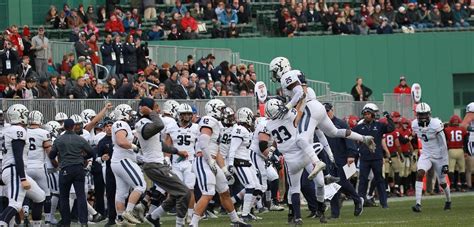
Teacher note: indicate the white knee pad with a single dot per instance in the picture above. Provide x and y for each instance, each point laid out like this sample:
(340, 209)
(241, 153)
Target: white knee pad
(272, 174)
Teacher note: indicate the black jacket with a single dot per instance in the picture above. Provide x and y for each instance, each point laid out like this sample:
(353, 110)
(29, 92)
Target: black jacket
(126, 92)
(70, 147)
(342, 148)
(24, 72)
(179, 92)
(82, 49)
(12, 56)
(106, 50)
(367, 92)
(79, 92)
(130, 58)
(142, 53)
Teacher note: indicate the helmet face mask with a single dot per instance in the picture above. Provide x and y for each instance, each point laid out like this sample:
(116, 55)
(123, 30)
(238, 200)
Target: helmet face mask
(228, 116)
(278, 67)
(123, 113)
(18, 114)
(423, 119)
(214, 108)
(246, 117)
(35, 118)
(272, 107)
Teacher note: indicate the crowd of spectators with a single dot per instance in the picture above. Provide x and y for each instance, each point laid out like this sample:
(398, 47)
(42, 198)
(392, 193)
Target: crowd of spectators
(379, 16)
(177, 24)
(132, 73)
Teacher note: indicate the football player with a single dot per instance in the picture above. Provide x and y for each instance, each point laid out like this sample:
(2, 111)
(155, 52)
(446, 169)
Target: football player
(284, 133)
(128, 174)
(148, 134)
(169, 112)
(17, 182)
(455, 136)
(391, 146)
(60, 118)
(468, 123)
(407, 150)
(53, 127)
(210, 177)
(434, 152)
(314, 112)
(239, 159)
(39, 145)
(228, 122)
(184, 139)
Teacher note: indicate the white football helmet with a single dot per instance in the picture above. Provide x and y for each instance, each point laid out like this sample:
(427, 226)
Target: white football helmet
(76, 118)
(272, 107)
(214, 108)
(52, 127)
(470, 108)
(371, 107)
(60, 117)
(183, 109)
(35, 118)
(88, 114)
(18, 114)
(245, 115)
(122, 112)
(228, 116)
(170, 107)
(278, 67)
(423, 114)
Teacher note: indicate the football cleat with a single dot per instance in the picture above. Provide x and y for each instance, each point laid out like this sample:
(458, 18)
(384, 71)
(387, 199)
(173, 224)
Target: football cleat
(359, 208)
(298, 221)
(240, 223)
(416, 208)
(152, 222)
(318, 166)
(329, 179)
(447, 206)
(275, 207)
(130, 217)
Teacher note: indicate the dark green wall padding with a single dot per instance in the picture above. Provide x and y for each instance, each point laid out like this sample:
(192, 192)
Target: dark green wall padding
(430, 59)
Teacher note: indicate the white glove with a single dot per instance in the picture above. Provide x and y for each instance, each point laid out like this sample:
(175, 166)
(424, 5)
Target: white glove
(212, 165)
(134, 148)
(167, 161)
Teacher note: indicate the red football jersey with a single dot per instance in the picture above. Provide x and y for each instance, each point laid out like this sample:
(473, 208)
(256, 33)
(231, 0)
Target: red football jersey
(455, 136)
(406, 134)
(390, 140)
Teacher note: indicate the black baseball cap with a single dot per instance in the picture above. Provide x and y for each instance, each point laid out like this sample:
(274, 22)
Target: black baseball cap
(148, 102)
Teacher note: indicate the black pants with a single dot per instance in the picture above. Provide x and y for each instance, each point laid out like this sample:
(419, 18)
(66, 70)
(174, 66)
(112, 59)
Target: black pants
(376, 167)
(99, 187)
(179, 194)
(68, 176)
(346, 187)
(110, 188)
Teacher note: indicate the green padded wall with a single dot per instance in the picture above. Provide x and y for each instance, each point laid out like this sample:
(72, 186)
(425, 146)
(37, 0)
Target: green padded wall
(430, 59)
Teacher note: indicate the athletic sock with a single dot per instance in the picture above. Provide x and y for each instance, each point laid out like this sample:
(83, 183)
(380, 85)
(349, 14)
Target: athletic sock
(179, 222)
(130, 207)
(190, 212)
(447, 193)
(320, 194)
(195, 220)
(158, 212)
(419, 191)
(233, 216)
(296, 202)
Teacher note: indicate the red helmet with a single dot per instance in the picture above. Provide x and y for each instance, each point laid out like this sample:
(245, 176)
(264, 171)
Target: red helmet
(352, 120)
(404, 120)
(395, 114)
(383, 120)
(455, 120)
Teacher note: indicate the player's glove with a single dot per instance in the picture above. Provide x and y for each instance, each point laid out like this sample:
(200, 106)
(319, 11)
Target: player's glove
(135, 148)
(445, 169)
(386, 114)
(231, 169)
(212, 165)
(167, 161)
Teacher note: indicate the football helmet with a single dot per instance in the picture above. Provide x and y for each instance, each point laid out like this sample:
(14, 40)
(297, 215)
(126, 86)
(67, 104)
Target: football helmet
(122, 112)
(18, 114)
(35, 118)
(77, 119)
(278, 67)
(52, 127)
(185, 112)
(214, 108)
(372, 108)
(423, 114)
(228, 116)
(60, 117)
(245, 116)
(170, 107)
(455, 120)
(87, 115)
(470, 108)
(272, 108)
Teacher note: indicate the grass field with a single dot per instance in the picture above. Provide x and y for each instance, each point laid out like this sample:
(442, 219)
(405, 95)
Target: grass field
(398, 214)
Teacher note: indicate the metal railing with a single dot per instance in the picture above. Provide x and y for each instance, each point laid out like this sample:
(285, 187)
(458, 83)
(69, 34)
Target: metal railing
(337, 96)
(159, 53)
(49, 107)
(402, 103)
(320, 88)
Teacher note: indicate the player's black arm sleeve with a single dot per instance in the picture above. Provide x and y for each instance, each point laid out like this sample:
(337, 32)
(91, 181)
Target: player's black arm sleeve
(465, 144)
(169, 149)
(17, 146)
(151, 129)
(390, 125)
(54, 152)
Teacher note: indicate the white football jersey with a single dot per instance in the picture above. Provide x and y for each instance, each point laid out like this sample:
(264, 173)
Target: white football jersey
(428, 135)
(470, 109)
(184, 139)
(37, 155)
(259, 128)
(288, 79)
(97, 137)
(14, 132)
(244, 137)
(225, 137)
(151, 148)
(310, 94)
(119, 152)
(283, 132)
(170, 125)
(215, 126)
(2, 142)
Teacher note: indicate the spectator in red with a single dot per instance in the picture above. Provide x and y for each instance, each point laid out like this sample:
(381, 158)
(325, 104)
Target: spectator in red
(189, 21)
(114, 25)
(92, 43)
(403, 87)
(67, 63)
(16, 40)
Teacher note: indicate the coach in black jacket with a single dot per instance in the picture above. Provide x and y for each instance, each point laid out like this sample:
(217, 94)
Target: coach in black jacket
(344, 151)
